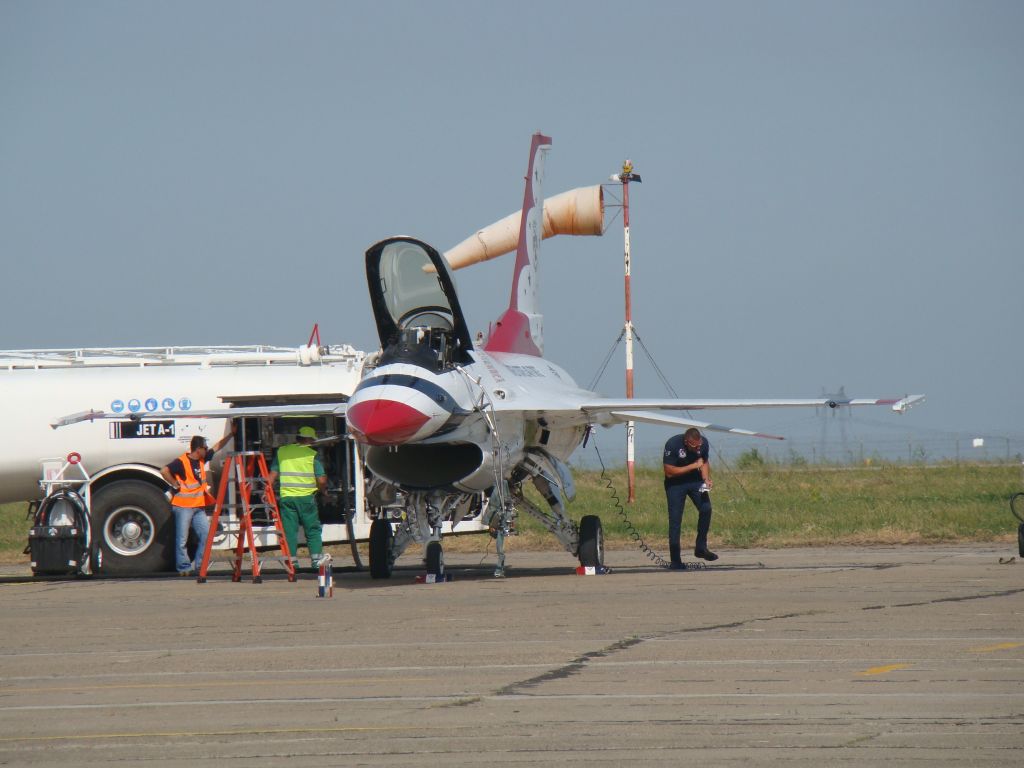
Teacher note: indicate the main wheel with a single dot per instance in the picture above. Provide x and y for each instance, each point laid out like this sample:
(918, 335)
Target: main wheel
(435, 558)
(380, 549)
(591, 541)
(133, 527)
(1017, 506)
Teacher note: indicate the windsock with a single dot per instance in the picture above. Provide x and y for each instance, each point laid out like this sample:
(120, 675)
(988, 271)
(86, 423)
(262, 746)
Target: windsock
(576, 212)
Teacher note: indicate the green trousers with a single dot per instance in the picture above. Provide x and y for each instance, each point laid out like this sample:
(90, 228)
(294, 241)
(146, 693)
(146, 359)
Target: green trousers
(301, 510)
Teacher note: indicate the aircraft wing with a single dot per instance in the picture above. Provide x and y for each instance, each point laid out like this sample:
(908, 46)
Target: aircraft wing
(663, 419)
(312, 409)
(606, 417)
(899, 405)
(607, 412)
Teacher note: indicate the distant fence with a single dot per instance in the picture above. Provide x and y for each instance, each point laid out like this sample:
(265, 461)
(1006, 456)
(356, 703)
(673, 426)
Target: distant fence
(852, 451)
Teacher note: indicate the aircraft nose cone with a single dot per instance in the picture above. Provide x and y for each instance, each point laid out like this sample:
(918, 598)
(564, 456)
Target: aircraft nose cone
(385, 422)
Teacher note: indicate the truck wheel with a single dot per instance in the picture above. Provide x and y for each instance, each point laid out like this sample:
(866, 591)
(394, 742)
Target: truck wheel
(380, 549)
(591, 541)
(133, 526)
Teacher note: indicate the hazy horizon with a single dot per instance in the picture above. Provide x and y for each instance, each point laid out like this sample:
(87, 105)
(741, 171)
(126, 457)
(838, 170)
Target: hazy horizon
(831, 191)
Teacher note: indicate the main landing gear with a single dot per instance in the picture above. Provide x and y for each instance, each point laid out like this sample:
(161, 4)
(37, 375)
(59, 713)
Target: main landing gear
(591, 551)
(383, 554)
(586, 541)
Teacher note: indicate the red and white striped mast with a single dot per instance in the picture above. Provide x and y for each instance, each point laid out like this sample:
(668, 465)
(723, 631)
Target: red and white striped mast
(624, 178)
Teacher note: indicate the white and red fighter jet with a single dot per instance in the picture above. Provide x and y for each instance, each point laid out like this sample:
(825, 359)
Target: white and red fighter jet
(452, 429)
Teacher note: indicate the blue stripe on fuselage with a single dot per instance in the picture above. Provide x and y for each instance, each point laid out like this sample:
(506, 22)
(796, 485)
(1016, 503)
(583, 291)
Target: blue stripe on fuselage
(435, 392)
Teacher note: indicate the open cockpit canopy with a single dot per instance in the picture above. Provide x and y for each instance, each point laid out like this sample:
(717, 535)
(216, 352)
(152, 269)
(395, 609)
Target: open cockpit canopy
(415, 304)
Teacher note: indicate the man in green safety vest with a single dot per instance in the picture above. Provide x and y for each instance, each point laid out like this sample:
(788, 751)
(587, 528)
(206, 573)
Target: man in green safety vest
(302, 475)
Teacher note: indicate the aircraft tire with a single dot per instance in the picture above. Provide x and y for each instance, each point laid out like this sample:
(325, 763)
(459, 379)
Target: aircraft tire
(1017, 506)
(380, 549)
(435, 558)
(591, 542)
(133, 528)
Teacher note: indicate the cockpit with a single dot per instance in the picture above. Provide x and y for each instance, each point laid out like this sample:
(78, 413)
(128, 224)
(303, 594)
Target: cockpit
(415, 305)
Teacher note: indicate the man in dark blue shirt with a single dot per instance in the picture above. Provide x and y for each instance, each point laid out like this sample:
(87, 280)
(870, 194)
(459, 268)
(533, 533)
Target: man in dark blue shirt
(688, 473)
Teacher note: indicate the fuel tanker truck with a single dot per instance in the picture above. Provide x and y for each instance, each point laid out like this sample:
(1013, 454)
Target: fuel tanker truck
(131, 523)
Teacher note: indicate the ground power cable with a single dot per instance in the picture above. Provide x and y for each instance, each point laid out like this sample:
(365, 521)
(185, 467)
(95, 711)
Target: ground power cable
(492, 426)
(631, 529)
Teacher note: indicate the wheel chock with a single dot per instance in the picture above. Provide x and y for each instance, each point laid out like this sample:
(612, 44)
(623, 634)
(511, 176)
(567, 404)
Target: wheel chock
(592, 570)
(433, 578)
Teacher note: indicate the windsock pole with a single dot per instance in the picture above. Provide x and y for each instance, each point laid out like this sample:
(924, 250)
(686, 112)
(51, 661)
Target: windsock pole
(625, 177)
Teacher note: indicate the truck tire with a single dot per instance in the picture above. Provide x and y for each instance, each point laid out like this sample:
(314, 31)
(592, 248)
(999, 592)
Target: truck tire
(133, 526)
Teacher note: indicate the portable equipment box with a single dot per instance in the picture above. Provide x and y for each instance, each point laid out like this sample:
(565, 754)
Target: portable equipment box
(59, 538)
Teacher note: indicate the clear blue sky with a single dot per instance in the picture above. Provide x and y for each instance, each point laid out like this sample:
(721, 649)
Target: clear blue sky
(833, 192)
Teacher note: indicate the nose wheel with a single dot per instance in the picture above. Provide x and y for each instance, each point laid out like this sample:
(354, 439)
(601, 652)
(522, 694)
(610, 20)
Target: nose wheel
(435, 560)
(381, 562)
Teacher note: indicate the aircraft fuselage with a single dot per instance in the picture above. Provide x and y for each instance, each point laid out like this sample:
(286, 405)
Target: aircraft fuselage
(463, 427)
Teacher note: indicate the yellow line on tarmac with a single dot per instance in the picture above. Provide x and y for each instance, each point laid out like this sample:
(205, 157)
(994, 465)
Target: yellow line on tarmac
(999, 647)
(883, 670)
(266, 682)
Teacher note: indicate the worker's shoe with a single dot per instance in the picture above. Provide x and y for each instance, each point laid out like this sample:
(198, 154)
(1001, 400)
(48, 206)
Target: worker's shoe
(677, 566)
(705, 554)
(186, 573)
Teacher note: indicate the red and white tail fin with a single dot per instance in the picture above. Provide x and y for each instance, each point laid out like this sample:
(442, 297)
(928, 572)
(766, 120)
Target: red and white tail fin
(521, 327)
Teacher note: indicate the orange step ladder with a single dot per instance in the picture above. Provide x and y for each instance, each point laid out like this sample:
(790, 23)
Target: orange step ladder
(251, 474)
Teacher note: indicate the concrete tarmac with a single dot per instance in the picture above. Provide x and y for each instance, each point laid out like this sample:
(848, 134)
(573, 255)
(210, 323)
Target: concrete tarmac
(860, 656)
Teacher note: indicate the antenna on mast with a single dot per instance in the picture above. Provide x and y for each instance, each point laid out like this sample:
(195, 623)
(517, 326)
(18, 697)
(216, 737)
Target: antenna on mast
(624, 178)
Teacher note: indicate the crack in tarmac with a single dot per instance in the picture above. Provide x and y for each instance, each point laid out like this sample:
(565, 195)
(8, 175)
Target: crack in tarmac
(578, 664)
(961, 599)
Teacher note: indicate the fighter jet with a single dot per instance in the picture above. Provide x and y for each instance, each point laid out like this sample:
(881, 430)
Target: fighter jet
(452, 428)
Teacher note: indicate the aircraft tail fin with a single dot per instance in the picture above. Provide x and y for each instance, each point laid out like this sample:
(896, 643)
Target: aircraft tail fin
(521, 328)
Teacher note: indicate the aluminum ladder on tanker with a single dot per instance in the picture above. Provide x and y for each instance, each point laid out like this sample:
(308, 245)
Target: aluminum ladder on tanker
(251, 474)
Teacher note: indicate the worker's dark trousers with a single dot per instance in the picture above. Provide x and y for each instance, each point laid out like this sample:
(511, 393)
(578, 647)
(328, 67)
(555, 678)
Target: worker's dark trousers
(676, 495)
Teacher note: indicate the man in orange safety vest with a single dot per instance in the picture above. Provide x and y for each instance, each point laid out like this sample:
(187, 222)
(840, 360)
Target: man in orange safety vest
(187, 477)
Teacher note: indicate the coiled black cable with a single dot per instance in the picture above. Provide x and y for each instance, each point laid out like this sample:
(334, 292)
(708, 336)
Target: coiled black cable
(634, 534)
